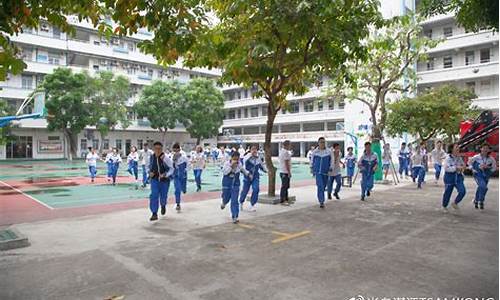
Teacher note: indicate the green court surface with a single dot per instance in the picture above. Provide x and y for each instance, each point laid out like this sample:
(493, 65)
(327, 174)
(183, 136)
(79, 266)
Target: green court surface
(59, 183)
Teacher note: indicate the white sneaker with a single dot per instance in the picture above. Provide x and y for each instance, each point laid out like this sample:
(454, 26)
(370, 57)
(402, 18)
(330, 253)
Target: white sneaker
(454, 205)
(251, 208)
(241, 206)
(445, 210)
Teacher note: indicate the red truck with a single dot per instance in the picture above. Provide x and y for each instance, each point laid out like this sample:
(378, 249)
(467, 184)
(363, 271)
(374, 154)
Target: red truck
(474, 133)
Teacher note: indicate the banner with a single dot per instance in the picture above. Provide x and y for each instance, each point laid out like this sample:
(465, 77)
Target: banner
(50, 147)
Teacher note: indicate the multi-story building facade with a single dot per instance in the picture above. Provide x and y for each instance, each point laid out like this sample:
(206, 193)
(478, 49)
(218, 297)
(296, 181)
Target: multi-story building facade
(47, 48)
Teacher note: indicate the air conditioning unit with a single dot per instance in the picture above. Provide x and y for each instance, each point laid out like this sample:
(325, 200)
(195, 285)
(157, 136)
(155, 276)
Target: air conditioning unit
(115, 42)
(103, 62)
(44, 27)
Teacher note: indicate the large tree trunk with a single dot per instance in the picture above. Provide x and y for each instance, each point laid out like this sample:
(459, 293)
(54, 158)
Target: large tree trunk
(271, 115)
(103, 136)
(71, 144)
(164, 137)
(198, 140)
(376, 147)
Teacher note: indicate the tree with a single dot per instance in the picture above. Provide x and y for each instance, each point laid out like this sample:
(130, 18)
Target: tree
(5, 110)
(109, 99)
(159, 103)
(389, 70)
(202, 109)
(67, 101)
(473, 15)
(175, 23)
(437, 112)
(280, 46)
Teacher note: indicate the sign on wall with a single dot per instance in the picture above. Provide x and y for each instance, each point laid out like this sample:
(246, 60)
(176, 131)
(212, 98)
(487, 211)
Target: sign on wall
(50, 146)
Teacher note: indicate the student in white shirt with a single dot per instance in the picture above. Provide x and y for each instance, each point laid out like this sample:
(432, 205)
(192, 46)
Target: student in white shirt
(285, 164)
(91, 161)
(145, 159)
(198, 163)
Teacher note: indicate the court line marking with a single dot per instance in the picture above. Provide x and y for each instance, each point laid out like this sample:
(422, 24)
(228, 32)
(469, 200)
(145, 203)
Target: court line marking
(291, 236)
(246, 226)
(23, 193)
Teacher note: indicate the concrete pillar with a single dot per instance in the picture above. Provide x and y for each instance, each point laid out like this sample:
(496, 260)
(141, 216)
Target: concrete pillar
(302, 149)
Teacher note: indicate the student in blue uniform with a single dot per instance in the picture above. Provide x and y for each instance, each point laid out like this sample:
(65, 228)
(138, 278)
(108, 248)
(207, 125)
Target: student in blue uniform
(231, 184)
(403, 158)
(437, 156)
(115, 160)
(91, 161)
(350, 163)
(180, 173)
(482, 165)
(321, 159)
(453, 177)
(253, 165)
(418, 167)
(145, 158)
(335, 173)
(109, 165)
(161, 170)
(367, 164)
(133, 164)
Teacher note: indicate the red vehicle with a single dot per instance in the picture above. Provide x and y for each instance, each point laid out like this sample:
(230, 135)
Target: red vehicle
(474, 133)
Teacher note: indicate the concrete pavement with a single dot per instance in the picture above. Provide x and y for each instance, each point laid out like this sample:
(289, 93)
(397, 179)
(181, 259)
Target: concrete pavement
(397, 244)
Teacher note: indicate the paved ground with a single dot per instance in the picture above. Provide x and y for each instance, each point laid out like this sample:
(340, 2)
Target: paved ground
(397, 244)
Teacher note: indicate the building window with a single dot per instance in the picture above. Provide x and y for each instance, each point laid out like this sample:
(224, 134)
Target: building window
(54, 59)
(339, 126)
(83, 144)
(56, 33)
(471, 85)
(448, 32)
(53, 138)
(331, 104)
(341, 104)
(231, 114)
(293, 107)
(27, 55)
(118, 144)
(485, 55)
(469, 58)
(430, 64)
(238, 113)
(485, 88)
(313, 126)
(139, 144)
(251, 130)
(245, 112)
(428, 33)
(254, 112)
(27, 82)
(447, 62)
(264, 110)
(320, 105)
(309, 106)
(95, 144)
(105, 144)
(290, 128)
(331, 126)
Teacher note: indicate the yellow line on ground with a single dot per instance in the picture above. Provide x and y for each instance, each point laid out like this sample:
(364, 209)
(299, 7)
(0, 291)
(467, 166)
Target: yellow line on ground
(280, 233)
(246, 226)
(291, 236)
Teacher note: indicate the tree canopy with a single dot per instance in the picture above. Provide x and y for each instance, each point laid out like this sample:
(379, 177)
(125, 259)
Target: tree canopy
(5, 110)
(67, 101)
(436, 112)
(202, 109)
(473, 15)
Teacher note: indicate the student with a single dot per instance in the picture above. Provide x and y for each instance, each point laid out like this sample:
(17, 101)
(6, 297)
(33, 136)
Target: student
(285, 160)
(335, 173)
(350, 162)
(180, 173)
(198, 163)
(386, 159)
(109, 165)
(215, 154)
(145, 158)
(252, 164)
(437, 157)
(403, 157)
(115, 160)
(231, 184)
(482, 165)
(242, 153)
(160, 169)
(418, 169)
(133, 164)
(453, 177)
(91, 160)
(367, 164)
(425, 157)
(320, 165)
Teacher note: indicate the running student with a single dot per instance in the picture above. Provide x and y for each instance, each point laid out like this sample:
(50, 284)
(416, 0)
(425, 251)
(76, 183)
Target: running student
(145, 158)
(231, 184)
(367, 164)
(482, 165)
(198, 163)
(335, 173)
(115, 161)
(285, 160)
(180, 174)
(160, 170)
(418, 167)
(133, 164)
(403, 158)
(91, 161)
(109, 165)
(453, 177)
(321, 159)
(253, 165)
(386, 159)
(437, 157)
(350, 162)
